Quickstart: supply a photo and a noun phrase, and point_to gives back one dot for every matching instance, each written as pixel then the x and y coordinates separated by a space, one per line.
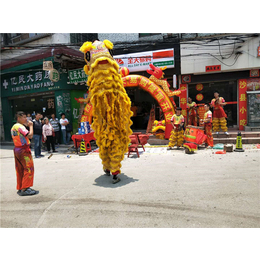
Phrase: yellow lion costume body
pixel 111 104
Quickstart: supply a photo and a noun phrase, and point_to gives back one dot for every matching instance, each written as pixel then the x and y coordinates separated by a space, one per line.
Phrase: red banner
pixel 213 68
pixel 201 112
pixel 183 100
pixel 242 103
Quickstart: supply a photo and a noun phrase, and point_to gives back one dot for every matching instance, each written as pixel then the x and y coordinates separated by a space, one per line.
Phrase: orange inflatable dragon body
pixel 157 77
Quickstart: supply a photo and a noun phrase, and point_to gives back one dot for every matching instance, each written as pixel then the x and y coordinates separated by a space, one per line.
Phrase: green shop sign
pixel 77 76
pixel 23 83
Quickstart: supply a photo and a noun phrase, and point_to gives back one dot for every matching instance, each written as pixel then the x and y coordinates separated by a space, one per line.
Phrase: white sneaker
pixel 217 133
pixel 226 133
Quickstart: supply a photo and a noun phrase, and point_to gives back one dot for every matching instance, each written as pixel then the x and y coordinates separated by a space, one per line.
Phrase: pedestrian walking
pixel 47 132
pixel 64 122
pixel 37 135
pixel 22 154
pixel 56 126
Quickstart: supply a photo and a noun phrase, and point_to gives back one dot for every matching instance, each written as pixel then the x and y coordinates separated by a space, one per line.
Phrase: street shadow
pixel 106 181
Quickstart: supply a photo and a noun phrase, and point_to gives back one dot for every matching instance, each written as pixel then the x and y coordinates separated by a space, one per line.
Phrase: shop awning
pixel 68 57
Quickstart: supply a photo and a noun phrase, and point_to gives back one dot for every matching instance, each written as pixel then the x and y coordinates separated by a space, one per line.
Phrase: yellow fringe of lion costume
pixel 111 104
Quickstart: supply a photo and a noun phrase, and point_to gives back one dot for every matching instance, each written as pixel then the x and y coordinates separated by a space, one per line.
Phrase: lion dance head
pixel 159 129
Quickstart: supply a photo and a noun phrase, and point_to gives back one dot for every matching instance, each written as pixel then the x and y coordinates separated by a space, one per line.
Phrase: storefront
pixel 201 89
pixel 202 93
pixel 249 105
pixel 32 91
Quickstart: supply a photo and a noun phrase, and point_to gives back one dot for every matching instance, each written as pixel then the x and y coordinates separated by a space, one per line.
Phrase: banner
pixel 242 103
pixel 77 76
pixel 140 61
pixel 183 100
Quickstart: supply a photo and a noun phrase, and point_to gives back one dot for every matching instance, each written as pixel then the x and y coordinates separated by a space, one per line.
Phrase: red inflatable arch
pixel 147 85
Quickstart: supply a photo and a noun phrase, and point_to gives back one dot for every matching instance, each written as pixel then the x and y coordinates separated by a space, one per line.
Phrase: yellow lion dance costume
pixel 159 129
pixel 111 105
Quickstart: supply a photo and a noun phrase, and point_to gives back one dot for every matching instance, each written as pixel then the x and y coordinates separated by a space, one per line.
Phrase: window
pixel 147 34
pixel 11 38
pixel 83 37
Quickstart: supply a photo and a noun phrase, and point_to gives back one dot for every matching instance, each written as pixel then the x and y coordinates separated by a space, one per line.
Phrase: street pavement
pixel 161 189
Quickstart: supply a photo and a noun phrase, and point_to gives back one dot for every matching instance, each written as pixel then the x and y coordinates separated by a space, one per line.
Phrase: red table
pixel 86 137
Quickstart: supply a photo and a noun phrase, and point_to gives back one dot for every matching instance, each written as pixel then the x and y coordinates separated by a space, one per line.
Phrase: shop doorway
pixel 42 103
pixel 142 102
pixel 226 89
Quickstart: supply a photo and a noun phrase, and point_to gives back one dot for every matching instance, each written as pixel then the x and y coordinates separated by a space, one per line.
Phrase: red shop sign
pixel 213 68
pixel 258 51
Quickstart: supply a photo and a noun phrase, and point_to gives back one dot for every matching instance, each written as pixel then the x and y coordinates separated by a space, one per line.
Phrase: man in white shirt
pixel 66 135
pixel 55 124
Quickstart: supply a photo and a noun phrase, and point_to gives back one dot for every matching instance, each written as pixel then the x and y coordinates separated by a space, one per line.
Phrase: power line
pixel 202 44
pixel 198 41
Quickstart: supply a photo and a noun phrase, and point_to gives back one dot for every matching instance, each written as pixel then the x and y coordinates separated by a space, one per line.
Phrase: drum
pixel 195 135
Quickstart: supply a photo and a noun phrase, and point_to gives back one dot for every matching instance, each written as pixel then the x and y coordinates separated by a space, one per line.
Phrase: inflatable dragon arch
pixel 110 114
pixel 155 85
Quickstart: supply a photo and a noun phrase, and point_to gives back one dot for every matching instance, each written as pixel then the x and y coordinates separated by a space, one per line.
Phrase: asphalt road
pixel 161 189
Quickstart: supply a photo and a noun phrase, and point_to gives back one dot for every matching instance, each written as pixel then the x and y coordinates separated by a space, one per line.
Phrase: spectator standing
pixel 37 135
pixel 22 154
pixel 55 124
pixel 47 132
pixel 192 112
pixel 29 117
pixel 44 145
pixel 66 135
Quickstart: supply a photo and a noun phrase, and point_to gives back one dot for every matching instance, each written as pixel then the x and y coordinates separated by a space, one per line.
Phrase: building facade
pixel 203 63
pixel 228 64
pixel 26 86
